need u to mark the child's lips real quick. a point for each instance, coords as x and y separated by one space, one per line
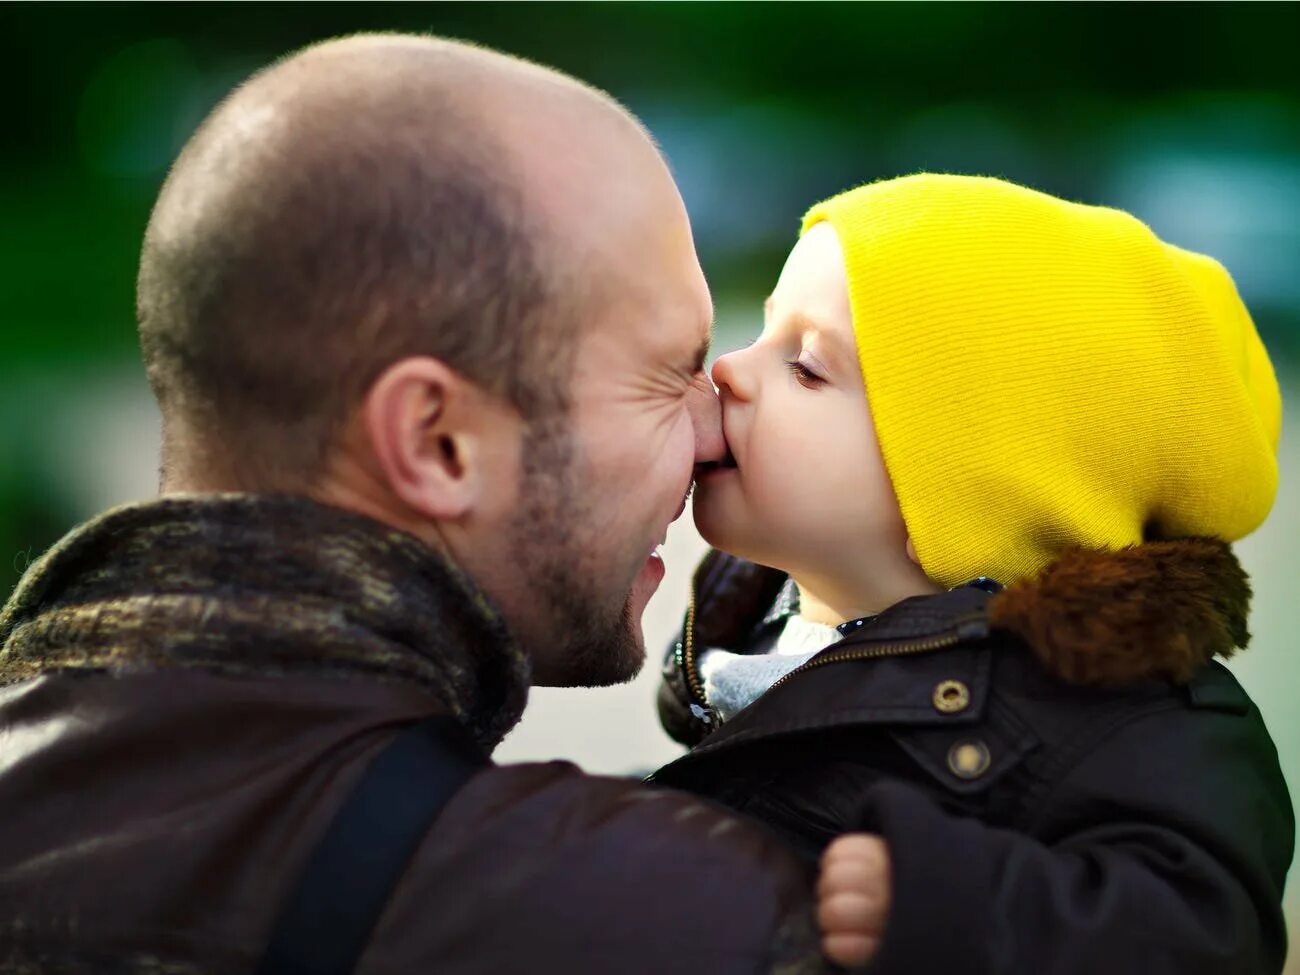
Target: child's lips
727 463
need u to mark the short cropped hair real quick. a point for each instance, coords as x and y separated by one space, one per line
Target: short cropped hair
277 283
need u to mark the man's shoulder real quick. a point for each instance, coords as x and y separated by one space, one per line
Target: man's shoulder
578 811
593 870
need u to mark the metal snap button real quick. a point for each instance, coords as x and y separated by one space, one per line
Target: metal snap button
969 759
950 697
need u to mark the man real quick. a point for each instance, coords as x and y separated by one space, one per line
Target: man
426 327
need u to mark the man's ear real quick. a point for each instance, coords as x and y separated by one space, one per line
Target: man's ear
425 423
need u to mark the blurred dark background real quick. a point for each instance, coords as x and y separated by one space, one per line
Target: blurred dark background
1187 115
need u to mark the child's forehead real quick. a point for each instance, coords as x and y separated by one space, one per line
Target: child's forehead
812 290
833 332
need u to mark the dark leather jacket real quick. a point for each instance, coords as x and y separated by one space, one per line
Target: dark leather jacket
190 690
1065 781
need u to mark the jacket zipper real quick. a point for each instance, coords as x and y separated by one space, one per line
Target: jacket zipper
867 653
689 666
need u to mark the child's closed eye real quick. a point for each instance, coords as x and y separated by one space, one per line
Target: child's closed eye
803 374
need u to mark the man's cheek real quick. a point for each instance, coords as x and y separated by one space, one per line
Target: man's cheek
664 463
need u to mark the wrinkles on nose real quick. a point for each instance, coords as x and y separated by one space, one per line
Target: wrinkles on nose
706 419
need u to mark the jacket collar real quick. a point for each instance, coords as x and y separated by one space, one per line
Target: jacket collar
892 682
1159 610
1156 611
264 585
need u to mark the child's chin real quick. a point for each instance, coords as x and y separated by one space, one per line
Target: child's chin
709 528
720 533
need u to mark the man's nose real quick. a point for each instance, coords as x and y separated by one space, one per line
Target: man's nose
706 419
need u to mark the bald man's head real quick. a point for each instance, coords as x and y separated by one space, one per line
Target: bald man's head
361 202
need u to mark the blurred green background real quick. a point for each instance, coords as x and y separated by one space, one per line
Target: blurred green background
1187 115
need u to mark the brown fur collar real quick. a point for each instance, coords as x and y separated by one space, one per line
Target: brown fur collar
1156 610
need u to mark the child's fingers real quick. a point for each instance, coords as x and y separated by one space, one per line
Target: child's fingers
851 911
855 862
849 949
853 898
857 846
839 874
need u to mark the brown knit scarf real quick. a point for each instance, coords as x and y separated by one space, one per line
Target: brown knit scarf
263 585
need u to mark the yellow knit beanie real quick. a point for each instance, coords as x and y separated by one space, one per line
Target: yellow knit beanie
1044 374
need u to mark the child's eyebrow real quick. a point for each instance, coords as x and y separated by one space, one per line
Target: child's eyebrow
803 323
825 336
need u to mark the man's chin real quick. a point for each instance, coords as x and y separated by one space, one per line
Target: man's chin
597 656
587 675
610 677
618 661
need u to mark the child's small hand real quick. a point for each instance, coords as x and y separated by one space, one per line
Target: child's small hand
853 898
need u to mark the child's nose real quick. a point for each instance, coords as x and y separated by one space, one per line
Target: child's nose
729 376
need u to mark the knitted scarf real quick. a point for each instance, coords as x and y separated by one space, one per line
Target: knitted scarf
263 585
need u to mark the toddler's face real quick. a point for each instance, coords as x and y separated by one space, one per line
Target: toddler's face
808 492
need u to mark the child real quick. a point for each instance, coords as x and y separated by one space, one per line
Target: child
993 446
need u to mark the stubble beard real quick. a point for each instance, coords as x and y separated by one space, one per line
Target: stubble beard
590 637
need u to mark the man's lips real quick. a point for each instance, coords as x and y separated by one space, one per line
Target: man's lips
681 510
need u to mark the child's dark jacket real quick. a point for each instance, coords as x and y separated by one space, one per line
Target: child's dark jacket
1065 780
